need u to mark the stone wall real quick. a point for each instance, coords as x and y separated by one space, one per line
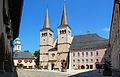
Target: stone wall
115 37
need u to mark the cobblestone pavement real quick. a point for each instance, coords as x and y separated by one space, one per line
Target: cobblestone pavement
48 73
70 73
34 73
94 73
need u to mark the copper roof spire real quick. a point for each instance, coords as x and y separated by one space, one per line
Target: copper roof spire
64 20
47 23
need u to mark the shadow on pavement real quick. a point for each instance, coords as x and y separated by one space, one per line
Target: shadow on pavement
92 73
9 74
95 73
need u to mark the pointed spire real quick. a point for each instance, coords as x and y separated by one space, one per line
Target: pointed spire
64 20
47 23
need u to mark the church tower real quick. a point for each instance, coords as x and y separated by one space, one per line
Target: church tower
46 41
17 45
64 37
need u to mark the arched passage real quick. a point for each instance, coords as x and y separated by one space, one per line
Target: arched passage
52 66
82 67
2 51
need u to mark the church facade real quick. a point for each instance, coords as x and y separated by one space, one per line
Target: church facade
54 53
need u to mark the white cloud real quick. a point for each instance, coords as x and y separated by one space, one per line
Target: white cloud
106 29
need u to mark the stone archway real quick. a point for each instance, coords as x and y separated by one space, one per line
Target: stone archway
52 66
82 67
87 66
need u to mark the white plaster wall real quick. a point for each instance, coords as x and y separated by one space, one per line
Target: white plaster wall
25 64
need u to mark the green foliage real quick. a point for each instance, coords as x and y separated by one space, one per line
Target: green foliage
36 66
26 51
107 65
78 66
20 66
37 53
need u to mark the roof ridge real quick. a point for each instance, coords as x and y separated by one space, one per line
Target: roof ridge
94 41
85 34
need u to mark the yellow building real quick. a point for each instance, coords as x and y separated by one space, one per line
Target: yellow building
24 58
27 59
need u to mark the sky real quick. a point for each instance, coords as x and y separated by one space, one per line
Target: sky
83 16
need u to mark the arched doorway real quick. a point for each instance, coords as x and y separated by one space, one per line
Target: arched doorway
82 67
87 66
2 52
2 47
52 66
97 65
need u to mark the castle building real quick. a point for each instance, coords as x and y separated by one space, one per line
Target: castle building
26 59
52 54
86 51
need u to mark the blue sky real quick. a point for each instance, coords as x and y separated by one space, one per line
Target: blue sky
83 15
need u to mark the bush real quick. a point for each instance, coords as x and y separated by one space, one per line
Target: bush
20 66
37 67
107 68
78 66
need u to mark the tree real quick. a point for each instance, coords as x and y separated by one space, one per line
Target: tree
26 51
107 68
36 54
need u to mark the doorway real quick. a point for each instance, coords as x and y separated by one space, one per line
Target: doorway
52 66
82 67
91 66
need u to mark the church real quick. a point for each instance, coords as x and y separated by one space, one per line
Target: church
54 53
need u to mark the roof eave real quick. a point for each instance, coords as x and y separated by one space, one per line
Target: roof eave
15 8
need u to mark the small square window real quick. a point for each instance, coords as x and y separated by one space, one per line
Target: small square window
82 60
86 54
91 60
91 53
82 54
86 60
97 53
